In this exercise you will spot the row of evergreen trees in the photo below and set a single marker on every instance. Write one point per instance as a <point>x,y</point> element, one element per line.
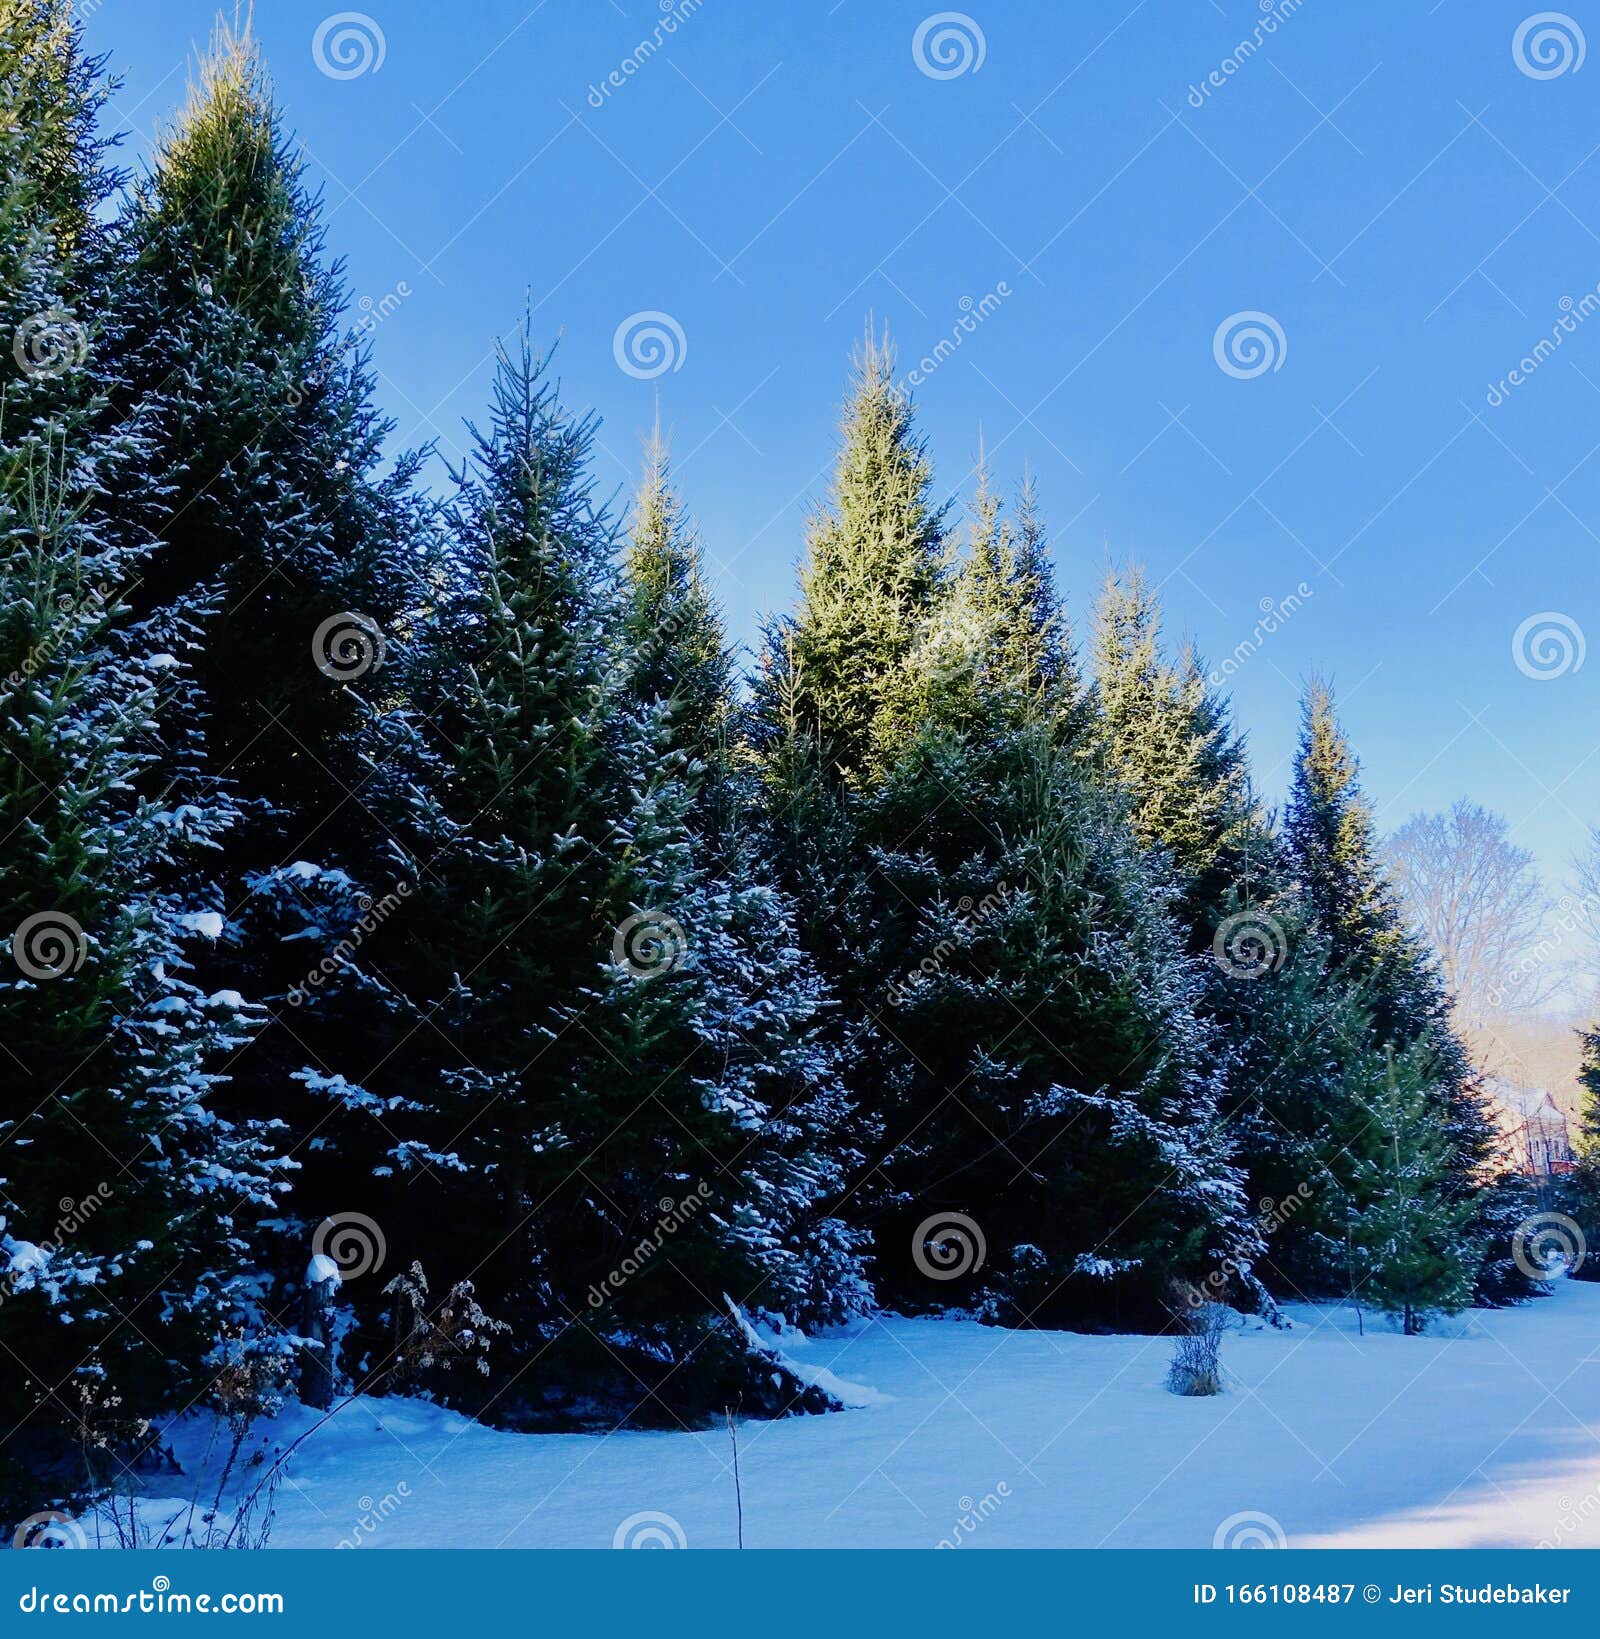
<point>429,873</point>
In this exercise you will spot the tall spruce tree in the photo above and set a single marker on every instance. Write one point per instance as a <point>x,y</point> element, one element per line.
<point>1332,846</point>
<point>760,1020</point>
<point>125,1200</point>
<point>1413,1253</point>
<point>1054,1079</point>
<point>288,541</point>
<point>566,1083</point>
<point>1023,1033</point>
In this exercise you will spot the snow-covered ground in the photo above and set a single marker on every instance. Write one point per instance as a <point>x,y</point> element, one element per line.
<point>1487,1434</point>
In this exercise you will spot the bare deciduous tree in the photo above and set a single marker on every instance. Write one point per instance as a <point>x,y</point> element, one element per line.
<point>1477,900</point>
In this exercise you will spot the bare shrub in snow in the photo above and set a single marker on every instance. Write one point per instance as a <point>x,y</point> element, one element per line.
<point>1196,1366</point>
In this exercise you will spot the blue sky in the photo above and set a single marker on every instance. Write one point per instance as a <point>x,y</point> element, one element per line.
<point>1387,183</point>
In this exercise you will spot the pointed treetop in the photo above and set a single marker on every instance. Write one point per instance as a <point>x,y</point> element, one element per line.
<point>1330,832</point>
<point>1168,740</point>
<point>873,568</point>
<point>227,206</point>
<point>51,96</point>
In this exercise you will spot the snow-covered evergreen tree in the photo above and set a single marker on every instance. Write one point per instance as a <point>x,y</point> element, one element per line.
<point>764,1055</point>
<point>1413,1255</point>
<point>1057,1083</point>
<point>590,1056</point>
<point>1332,848</point>
<point>288,541</point>
<point>125,1196</point>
